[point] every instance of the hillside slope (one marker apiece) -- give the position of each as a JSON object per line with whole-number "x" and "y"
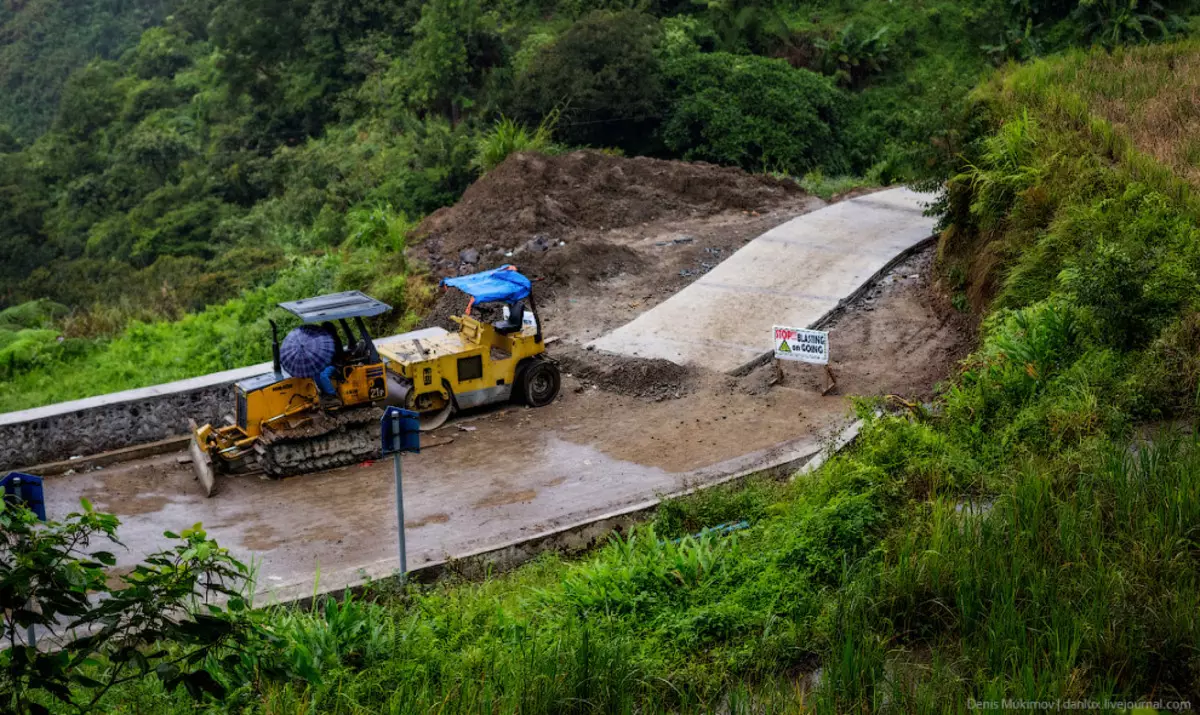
{"x": 43, "y": 41}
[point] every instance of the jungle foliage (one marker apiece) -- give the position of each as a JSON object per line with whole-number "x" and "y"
{"x": 235, "y": 144}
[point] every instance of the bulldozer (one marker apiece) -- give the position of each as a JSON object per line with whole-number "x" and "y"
{"x": 319, "y": 407}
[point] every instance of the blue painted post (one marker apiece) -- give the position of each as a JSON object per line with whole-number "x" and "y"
{"x": 26, "y": 489}
{"x": 400, "y": 431}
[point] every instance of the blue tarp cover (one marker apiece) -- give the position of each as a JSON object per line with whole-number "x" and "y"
{"x": 502, "y": 284}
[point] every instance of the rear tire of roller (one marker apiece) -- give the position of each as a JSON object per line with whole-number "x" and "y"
{"x": 540, "y": 382}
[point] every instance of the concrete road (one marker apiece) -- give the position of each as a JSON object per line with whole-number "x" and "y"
{"x": 792, "y": 275}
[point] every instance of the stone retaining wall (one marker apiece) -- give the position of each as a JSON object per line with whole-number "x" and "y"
{"x": 121, "y": 419}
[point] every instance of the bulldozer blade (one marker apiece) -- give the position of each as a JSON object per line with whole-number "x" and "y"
{"x": 202, "y": 465}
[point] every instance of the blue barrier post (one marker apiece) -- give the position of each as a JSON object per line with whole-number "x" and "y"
{"x": 26, "y": 489}
{"x": 400, "y": 431}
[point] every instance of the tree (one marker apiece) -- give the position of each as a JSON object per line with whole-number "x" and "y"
{"x": 452, "y": 51}
{"x": 604, "y": 76}
{"x": 53, "y": 578}
{"x": 745, "y": 25}
{"x": 757, "y": 113}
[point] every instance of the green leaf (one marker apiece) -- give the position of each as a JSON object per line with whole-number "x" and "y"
{"x": 202, "y": 682}
{"x": 87, "y": 505}
{"x": 85, "y": 681}
{"x": 167, "y": 671}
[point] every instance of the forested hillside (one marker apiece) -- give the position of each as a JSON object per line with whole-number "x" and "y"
{"x": 43, "y": 41}
{"x": 244, "y": 152}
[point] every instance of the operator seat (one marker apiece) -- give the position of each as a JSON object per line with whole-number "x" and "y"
{"x": 339, "y": 352}
{"x": 514, "y": 322}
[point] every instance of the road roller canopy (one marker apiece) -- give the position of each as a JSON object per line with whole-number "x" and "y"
{"x": 499, "y": 285}
{"x": 336, "y": 306}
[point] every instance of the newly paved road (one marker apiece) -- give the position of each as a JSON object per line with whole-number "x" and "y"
{"x": 792, "y": 275}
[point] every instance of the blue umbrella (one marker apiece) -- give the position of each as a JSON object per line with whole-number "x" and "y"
{"x": 306, "y": 351}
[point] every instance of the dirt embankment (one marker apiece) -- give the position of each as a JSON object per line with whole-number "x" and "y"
{"x": 532, "y": 203}
{"x": 604, "y": 237}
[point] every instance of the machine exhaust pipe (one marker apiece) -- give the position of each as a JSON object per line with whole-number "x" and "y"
{"x": 275, "y": 348}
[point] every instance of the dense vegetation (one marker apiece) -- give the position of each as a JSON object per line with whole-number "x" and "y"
{"x": 43, "y": 41}
{"x": 246, "y": 150}
{"x": 1031, "y": 534}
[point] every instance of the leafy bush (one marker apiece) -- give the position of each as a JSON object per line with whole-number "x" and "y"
{"x": 853, "y": 54}
{"x": 757, "y": 113}
{"x": 603, "y": 75}
{"x": 1118, "y": 22}
{"x": 1140, "y": 267}
{"x": 162, "y": 621}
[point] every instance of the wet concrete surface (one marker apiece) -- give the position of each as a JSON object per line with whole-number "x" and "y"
{"x": 496, "y": 476}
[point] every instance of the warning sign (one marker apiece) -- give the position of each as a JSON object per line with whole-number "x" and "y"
{"x": 801, "y": 344}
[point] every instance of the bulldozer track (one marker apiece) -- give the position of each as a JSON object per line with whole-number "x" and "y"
{"x": 329, "y": 441}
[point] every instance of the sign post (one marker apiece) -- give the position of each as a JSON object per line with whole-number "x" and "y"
{"x": 803, "y": 345}
{"x": 26, "y": 489}
{"x": 400, "y": 431}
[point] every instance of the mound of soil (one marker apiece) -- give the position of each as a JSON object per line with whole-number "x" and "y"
{"x": 633, "y": 377}
{"x": 532, "y": 203}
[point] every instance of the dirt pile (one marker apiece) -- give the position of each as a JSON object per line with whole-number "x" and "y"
{"x": 633, "y": 377}
{"x": 533, "y": 205}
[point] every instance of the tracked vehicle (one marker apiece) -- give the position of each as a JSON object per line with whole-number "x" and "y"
{"x": 319, "y": 407}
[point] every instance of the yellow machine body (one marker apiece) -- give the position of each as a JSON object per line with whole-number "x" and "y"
{"x": 287, "y": 402}
{"x": 476, "y": 365}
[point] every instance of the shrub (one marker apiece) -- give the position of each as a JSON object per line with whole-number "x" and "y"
{"x": 754, "y": 112}
{"x": 854, "y": 54}
{"x": 1139, "y": 268}
{"x": 604, "y": 74}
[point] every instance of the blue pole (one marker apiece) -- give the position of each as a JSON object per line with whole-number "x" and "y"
{"x": 400, "y": 517}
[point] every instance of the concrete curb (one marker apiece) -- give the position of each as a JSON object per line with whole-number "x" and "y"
{"x": 141, "y": 451}
{"x": 574, "y": 538}
{"x": 746, "y": 367}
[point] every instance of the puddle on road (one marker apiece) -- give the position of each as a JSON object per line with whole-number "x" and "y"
{"x": 127, "y": 492}
{"x": 431, "y": 519}
{"x": 503, "y": 498}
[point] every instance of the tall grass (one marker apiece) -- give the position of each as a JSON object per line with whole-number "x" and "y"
{"x": 508, "y": 136}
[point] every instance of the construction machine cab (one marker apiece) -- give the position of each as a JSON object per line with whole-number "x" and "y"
{"x": 324, "y": 310}
{"x": 311, "y": 396}
{"x": 501, "y": 285}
